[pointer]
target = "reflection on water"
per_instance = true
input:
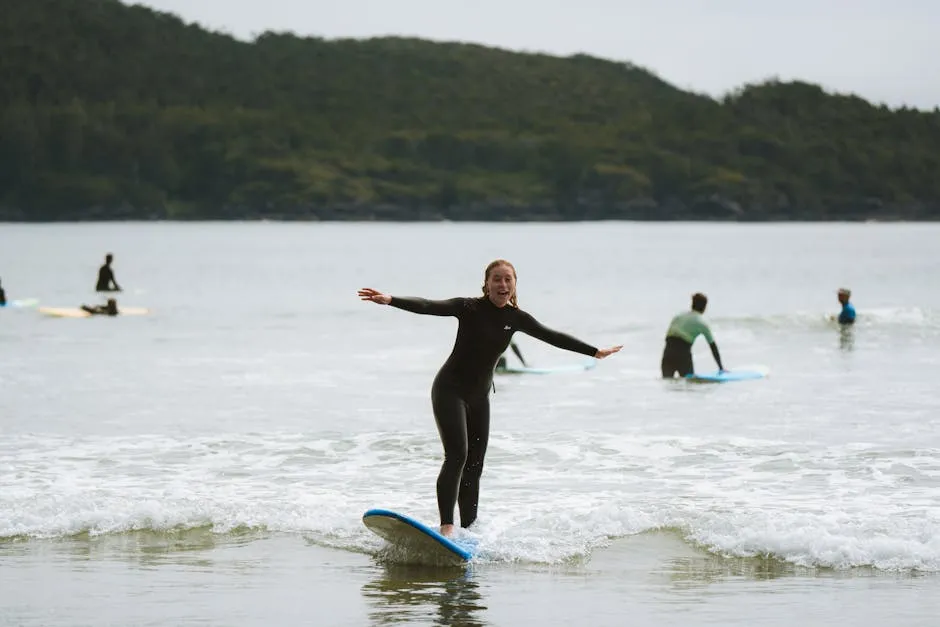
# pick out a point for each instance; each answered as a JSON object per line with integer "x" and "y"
{"x": 143, "y": 548}
{"x": 846, "y": 337}
{"x": 444, "y": 596}
{"x": 685, "y": 569}
{"x": 708, "y": 569}
{"x": 694, "y": 571}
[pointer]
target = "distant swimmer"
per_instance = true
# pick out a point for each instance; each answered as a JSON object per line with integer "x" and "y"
{"x": 501, "y": 363}
{"x": 847, "y": 315}
{"x": 106, "y": 282}
{"x": 3, "y": 297}
{"x": 682, "y": 333}
{"x": 111, "y": 309}
{"x": 460, "y": 392}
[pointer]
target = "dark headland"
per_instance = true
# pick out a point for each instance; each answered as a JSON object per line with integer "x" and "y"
{"x": 117, "y": 112}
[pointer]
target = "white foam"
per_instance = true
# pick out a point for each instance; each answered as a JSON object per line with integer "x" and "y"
{"x": 545, "y": 498}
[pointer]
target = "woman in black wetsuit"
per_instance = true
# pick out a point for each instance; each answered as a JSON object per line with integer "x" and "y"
{"x": 459, "y": 395}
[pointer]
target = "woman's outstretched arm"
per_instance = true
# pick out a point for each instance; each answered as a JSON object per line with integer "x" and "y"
{"x": 536, "y": 329}
{"x": 449, "y": 307}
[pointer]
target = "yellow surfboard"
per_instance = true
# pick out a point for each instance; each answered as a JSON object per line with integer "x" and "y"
{"x": 75, "y": 312}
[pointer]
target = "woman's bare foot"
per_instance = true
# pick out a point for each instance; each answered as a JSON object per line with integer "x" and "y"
{"x": 447, "y": 530}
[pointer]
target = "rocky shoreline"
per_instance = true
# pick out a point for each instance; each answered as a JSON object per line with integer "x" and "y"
{"x": 713, "y": 208}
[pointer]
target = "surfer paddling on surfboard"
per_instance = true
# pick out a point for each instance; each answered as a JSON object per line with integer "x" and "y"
{"x": 111, "y": 309}
{"x": 459, "y": 395}
{"x": 682, "y": 333}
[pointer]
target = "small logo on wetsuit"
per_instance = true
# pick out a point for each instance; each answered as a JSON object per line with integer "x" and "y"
{"x": 507, "y": 328}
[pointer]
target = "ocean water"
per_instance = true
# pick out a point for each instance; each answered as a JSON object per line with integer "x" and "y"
{"x": 210, "y": 462}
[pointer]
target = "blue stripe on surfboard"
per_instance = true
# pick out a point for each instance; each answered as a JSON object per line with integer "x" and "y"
{"x": 727, "y": 375}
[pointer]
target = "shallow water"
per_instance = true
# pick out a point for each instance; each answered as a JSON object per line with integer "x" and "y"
{"x": 215, "y": 456}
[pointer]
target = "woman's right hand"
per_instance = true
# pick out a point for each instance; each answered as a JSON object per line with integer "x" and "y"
{"x": 607, "y": 352}
{"x": 367, "y": 293}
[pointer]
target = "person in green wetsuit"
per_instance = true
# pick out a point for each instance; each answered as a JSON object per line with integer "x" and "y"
{"x": 682, "y": 333}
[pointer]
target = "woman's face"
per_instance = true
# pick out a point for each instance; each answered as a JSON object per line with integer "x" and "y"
{"x": 501, "y": 285}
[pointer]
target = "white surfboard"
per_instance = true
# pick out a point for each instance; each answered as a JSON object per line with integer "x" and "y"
{"x": 77, "y": 312}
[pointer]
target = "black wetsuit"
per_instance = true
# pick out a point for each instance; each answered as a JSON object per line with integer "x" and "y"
{"x": 3, "y": 297}
{"x": 106, "y": 279}
{"x": 677, "y": 358}
{"x": 460, "y": 391}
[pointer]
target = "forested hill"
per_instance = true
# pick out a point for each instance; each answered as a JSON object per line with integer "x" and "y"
{"x": 109, "y": 111}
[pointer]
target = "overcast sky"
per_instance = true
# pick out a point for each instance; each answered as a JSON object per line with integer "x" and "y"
{"x": 883, "y": 50}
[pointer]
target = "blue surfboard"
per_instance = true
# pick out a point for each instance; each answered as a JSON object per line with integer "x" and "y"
{"x": 726, "y": 375}
{"x": 23, "y": 302}
{"x": 419, "y": 542}
{"x": 509, "y": 369}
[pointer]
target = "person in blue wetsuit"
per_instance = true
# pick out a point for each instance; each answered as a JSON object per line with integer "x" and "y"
{"x": 459, "y": 394}
{"x": 847, "y": 315}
